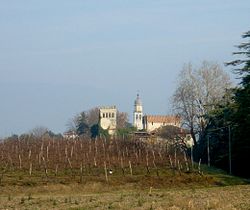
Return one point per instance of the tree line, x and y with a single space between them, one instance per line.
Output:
216 113
86 124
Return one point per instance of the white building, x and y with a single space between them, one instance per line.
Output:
138 114
70 135
150 123
153 122
108 119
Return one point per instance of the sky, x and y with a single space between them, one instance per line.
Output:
59 58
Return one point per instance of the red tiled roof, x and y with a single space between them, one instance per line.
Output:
162 119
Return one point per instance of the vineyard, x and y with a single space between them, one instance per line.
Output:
61 160
57 173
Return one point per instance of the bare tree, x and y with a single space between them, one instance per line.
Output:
72 124
85 120
197 92
122 119
39 131
90 118
93 116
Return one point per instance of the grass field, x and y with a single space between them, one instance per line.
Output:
213 190
103 197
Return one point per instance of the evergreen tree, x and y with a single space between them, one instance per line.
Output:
241 117
229 123
217 132
82 127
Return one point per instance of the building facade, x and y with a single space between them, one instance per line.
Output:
70 135
150 123
153 122
108 117
138 114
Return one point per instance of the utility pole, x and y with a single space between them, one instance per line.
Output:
208 152
229 150
192 159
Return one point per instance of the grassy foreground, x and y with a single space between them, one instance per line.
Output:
77 197
186 191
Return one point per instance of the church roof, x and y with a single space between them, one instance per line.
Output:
162 119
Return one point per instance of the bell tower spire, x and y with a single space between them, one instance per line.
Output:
138 113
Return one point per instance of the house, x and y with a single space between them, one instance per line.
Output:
153 122
70 135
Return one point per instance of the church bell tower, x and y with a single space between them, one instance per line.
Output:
138 114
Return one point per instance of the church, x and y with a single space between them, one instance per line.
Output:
150 123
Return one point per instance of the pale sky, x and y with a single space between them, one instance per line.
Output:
61 57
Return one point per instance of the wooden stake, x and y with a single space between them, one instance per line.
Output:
95 147
29 154
66 152
192 159
153 152
170 160
179 167
105 169
45 167
199 166
56 169
157 172
81 173
175 159
130 167
186 162
150 191
47 149
147 166
95 162
72 151
20 161
160 155
69 163
127 151
30 171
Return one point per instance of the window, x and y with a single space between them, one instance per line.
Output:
113 115
107 115
140 117
136 116
152 123
103 115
